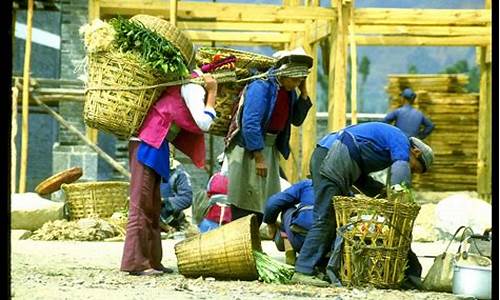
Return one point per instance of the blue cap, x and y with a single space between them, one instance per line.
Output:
408 94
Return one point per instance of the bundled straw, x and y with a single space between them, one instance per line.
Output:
272 271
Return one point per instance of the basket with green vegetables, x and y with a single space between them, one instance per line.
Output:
272 271
155 50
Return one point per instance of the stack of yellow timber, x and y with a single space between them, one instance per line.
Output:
454 112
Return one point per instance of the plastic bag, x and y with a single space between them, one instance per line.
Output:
440 275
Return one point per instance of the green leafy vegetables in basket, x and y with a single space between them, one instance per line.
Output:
272 271
154 49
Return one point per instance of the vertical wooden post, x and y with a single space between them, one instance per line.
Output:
94 13
331 72
484 151
13 149
309 126
25 111
354 68
173 12
290 166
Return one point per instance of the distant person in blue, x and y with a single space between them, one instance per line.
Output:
295 205
344 158
410 120
177 195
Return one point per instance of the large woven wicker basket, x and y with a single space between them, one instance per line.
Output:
119 112
96 199
223 253
227 98
244 59
377 237
171 33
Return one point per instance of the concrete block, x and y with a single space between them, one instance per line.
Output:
20 234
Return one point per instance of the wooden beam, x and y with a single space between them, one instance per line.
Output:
173 12
94 10
403 16
479 40
484 150
25 106
310 123
228 12
354 71
242 37
331 74
422 30
242 26
339 96
87 141
318 30
13 132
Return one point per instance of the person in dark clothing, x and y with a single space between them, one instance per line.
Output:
177 195
295 204
342 159
410 120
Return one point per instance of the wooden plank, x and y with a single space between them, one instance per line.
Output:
25 105
242 26
484 168
242 37
87 141
319 30
331 74
13 132
403 16
354 71
424 30
217 11
385 40
173 12
309 126
339 119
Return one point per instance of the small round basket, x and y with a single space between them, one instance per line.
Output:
120 112
101 198
222 253
53 183
377 237
171 33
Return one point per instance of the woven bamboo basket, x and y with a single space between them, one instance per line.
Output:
244 59
227 98
174 35
223 253
377 238
101 199
119 112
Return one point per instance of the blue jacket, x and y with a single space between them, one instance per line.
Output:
379 145
260 99
296 204
409 120
178 190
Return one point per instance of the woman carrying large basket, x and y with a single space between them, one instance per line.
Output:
342 159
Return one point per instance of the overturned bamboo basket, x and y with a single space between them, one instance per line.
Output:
223 253
377 237
95 199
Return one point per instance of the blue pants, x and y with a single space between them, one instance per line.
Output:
321 235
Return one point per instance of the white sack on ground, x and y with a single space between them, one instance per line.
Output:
29 211
461 209
424 226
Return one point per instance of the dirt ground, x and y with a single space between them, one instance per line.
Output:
89 270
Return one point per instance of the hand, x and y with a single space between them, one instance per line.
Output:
271 229
260 164
210 82
303 89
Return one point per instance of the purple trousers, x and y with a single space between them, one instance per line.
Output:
142 248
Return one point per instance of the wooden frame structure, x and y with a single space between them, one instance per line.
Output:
304 23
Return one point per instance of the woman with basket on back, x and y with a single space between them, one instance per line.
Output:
260 130
180 116
345 158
